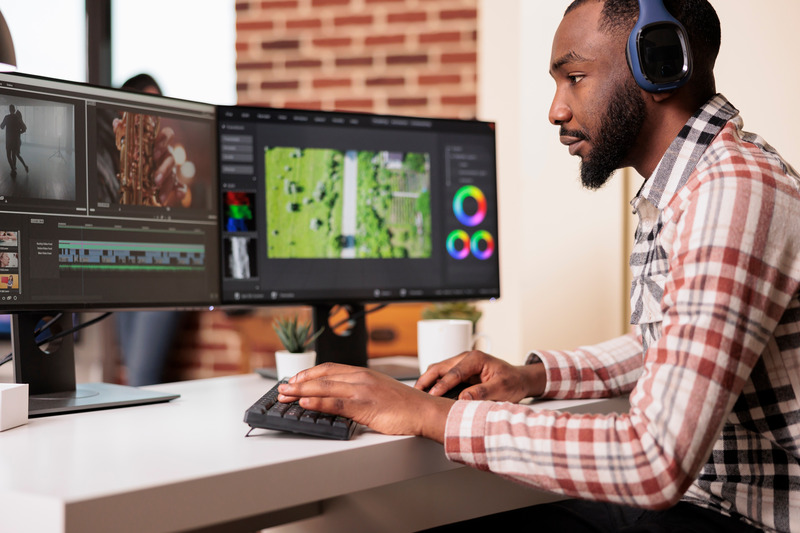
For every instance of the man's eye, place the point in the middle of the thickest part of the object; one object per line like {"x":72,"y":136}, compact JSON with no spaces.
{"x":575,"y":78}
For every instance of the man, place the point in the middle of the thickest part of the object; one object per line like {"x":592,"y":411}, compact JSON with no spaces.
{"x":22,"y":129}
{"x":14,"y":127}
{"x":712,"y":438}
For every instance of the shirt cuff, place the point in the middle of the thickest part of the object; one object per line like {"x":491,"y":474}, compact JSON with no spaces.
{"x":533,"y":358}
{"x":464,"y":433}
{"x":549,"y":361}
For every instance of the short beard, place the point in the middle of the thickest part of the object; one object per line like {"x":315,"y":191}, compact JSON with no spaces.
{"x":619,"y":128}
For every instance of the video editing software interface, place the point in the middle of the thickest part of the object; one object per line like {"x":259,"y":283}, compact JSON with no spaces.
{"x":345,"y":207}
{"x":107,"y":198}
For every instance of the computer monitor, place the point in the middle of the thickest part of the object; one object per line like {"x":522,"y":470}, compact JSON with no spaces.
{"x":326,"y":208}
{"x":108,"y":200}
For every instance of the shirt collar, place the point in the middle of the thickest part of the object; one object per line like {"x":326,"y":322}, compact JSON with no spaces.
{"x":682,"y":156}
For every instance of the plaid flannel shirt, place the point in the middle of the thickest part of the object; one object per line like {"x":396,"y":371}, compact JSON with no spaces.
{"x":714,"y":374}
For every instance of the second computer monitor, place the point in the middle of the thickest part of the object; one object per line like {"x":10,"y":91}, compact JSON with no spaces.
{"x":326,"y":207}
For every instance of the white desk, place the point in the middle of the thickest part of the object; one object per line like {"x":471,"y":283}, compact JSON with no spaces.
{"x":186,"y":465}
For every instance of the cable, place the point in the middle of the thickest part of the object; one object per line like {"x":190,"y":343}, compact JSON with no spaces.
{"x":74,"y":329}
{"x":51,"y":338}
{"x":356,"y":316}
{"x":44,"y":327}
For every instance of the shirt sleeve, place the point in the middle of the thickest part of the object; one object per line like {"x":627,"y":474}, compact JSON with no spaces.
{"x":724,"y":294}
{"x":604,"y":370}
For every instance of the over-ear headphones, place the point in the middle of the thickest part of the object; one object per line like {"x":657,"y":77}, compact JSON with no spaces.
{"x":658,"y":49}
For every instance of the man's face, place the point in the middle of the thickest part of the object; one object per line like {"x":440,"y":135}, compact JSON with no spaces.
{"x":597,"y":106}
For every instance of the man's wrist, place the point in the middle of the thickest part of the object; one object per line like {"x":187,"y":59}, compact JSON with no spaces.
{"x":535,"y":375}
{"x":434,"y":421}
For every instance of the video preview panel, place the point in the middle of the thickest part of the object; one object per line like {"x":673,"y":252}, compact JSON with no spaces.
{"x":111,"y":198}
{"x":40,"y":134}
{"x":153,"y":161}
{"x":321,"y":202}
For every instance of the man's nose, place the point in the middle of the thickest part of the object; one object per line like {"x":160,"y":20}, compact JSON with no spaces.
{"x":560,"y":112}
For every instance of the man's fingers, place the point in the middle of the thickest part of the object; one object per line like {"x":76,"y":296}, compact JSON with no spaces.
{"x":435,"y":372}
{"x":163,"y":171}
{"x":326,"y":380}
{"x":334,"y":406}
{"x":318,"y":371}
{"x":163,"y":140}
{"x":461,"y":372}
{"x":428,"y":378}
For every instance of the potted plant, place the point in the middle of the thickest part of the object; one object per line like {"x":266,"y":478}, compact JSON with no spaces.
{"x":297,"y":338}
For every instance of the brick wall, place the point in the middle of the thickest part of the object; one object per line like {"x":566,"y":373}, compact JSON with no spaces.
{"x":404,"y":57}
{"x":213,"y":343}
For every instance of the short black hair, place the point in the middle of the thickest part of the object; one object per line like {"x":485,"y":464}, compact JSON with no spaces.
{"x":697,"y":16}
{"x":140,"y":82}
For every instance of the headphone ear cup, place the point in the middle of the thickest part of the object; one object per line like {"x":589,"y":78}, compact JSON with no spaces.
{"x":658,"y":50}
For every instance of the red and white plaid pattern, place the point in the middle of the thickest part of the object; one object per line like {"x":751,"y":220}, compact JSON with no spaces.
{"x":714,"y":375}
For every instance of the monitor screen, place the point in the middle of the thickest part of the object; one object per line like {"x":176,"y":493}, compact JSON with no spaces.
{"x":342,"y":207}
{"x":108,"y":198}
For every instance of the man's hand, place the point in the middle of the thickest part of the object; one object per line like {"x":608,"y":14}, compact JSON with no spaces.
{"x":370,"y":398}
{"x":170,"y":190}
{"x":494,"y":378}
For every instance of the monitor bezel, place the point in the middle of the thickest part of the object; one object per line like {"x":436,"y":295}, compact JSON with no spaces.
{"x":475,"y":126}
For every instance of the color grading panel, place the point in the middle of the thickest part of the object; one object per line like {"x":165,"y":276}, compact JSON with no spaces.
{"x":471,"y":241}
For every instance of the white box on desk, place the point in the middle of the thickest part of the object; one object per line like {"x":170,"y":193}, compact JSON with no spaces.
{"x":13,"y":405}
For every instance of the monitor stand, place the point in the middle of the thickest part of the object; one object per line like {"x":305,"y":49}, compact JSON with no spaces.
{"x":49,"y":371}
{"x":349,"y":346}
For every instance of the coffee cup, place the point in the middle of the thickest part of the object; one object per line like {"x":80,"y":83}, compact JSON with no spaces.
{"x":441,"y":338}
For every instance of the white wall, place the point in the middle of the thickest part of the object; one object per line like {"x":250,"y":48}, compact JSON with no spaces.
{"x":757,"y":68}
{"x":561,"y":246}
{"x":49,"y":36}
{"x":562,"y":257}
{"x":189,"y":47}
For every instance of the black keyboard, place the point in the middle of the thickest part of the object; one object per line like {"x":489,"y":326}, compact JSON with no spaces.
{"x":269,"y":413}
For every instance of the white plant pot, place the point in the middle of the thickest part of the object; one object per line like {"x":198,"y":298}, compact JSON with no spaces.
{"x":287,"y":364}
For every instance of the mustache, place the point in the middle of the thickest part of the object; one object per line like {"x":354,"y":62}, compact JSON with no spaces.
{"x":564,"y":132}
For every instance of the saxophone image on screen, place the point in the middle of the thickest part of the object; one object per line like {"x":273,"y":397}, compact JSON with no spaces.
{"x":137,"y":138}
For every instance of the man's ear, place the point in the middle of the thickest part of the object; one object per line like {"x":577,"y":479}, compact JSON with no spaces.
{"x":661,"y":96}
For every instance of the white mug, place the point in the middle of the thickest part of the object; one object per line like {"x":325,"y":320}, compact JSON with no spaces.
{"x":440,"y":339}
{"x":288,"y":364}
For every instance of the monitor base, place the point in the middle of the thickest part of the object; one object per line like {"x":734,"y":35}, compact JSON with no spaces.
{"x":93,"y":396}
